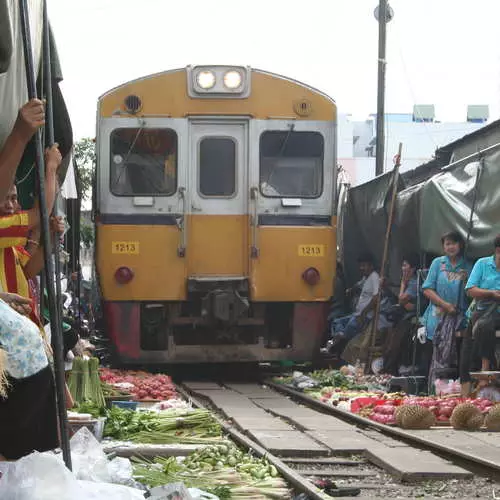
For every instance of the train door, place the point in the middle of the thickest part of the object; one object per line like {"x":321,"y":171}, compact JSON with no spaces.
{"x":217,"y":199}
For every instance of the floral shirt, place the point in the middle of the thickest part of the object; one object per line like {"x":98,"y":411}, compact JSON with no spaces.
{"x":20,"y":339}
{"x":448,"y":282}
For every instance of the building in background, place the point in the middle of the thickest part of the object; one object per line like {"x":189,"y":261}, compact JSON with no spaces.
{"x":420,"y":133}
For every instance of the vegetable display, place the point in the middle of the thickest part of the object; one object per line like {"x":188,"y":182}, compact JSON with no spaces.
{"x":194,"y":426}
{"x":84,"y":383}
{"x":142,"y":386}
{"x":222,"y":470}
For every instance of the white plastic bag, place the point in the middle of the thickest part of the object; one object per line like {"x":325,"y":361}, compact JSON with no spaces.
{"x":88,"y":459}
{"x":170,"y":491}
{"x":198,"y":494}
{"x":43,"y":476}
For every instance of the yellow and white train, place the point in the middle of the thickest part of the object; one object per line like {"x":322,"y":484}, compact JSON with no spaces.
{"x":214,"y":207}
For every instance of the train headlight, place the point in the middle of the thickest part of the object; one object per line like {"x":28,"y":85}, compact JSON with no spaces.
{"x":218,"y":82}
{"x":232,"y":80}
{"x":205,"y":79}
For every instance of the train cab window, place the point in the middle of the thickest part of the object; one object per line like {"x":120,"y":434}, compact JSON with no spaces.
{"x":291,"y":164}
{"x":143,"y":162}
{"x":217,"y":167}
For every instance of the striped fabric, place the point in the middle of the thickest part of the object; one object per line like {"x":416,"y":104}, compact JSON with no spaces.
{"x":13,"y":256}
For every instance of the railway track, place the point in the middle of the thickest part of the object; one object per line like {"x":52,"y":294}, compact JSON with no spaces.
{"x":313,"y":444}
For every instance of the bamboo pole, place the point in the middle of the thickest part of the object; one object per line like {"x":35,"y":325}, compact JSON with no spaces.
{"x":392,"y":206}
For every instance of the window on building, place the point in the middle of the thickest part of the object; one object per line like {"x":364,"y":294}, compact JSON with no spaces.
{"x":217,"y":166}
{"x":291,"y":164}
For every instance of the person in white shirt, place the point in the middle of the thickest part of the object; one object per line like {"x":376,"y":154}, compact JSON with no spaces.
{"x":348,"y":327}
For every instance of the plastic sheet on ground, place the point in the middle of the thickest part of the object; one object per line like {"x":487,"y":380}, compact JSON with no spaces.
{"x":179,"y":492}
{"x":43,"y":476}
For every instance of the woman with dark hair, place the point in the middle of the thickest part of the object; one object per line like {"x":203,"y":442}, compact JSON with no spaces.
{"x":397,"y":347}
{"x":484,"y":287}
{"x":444,"y":288}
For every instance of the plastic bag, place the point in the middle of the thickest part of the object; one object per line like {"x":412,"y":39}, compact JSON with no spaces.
{"x":172,"y":491}
{"x":88,"y":459}
{"x":198,"y":494}
{"x":43,"y":476}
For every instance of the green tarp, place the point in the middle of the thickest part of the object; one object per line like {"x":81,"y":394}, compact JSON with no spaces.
{"x":423,"y":213}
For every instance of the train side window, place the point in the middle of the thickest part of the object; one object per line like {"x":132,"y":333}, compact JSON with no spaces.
{"x":291,"y":164}
{"x":217,"y":166}
{"x":143,"y":162}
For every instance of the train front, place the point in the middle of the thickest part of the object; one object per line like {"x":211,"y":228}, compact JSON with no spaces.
{"x":215,"y":220}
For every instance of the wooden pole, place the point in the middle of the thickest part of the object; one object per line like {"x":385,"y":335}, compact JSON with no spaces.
{"x":395,"y":182}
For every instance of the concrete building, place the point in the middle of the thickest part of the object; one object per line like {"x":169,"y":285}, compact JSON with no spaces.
{"x":420,"y":133}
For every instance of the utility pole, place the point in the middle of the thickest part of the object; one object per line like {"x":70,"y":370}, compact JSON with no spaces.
{"x":383,"y":14}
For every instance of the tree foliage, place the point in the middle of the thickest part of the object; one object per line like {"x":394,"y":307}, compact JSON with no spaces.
{"x":85,"y":158}
{"x":86,"y":233}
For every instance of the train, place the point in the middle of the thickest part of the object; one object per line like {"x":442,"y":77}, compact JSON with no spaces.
{"x":214,"y":206}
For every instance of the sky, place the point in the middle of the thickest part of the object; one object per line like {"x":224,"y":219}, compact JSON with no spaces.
{"x":441,"y":52}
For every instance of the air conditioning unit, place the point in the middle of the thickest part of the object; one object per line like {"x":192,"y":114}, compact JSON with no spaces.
{"x":423,"y":113}
{"x":478,"y":113}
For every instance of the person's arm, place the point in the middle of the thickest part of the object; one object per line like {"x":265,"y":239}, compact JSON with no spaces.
{"x":483,"y":294}
{"x":34,"y":265}
{"x":52,"y":161}
{"x":30,"y":117}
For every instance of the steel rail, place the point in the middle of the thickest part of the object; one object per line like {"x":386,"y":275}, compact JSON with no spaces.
{"x":296,"y":480}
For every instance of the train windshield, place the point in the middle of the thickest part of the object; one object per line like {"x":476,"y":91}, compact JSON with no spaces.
{"x":143,"y":162}
{"x":291,"y":164}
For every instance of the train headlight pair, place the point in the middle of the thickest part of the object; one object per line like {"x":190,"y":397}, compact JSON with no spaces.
{"x":218,"y":81}
{"x":232,"y":80}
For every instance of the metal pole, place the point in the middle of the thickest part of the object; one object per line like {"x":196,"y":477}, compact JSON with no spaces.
{"x":382,"y":28}
{"x":50,"y":141}
{"x":54,"y":320}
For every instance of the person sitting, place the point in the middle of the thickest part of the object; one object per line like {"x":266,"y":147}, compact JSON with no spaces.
{"x":347,"y":327}
{"x":484,"y":287}
{"x":397,"y":347}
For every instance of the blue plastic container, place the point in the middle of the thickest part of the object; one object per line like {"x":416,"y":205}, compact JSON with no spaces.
{"x":126,"y":405}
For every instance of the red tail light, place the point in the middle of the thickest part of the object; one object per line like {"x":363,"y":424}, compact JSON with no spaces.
{"x":311,"y":276}
{"x":124,"y":275}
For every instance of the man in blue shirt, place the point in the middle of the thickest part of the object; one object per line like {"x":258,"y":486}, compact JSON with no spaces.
{"x":484,"y":287}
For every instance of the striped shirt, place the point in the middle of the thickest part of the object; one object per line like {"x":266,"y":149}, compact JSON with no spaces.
{"x":13,"y":256}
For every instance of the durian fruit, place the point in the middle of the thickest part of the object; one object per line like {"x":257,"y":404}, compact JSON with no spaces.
{"x":398,"y":414}
{"x":466,"y":417}
{"x":414,"y":417}
{"x":492,"y":420}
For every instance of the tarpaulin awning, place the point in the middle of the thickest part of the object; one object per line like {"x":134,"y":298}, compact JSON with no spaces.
{"x":443,"y":202}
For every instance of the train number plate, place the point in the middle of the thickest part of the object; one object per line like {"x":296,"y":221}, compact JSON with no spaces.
{"x":125,"y":247}
{"x":311,"y":250}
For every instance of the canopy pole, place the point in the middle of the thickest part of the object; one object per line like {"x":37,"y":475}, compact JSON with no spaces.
{"x":374,"y":325}
{"x":57,"y":341}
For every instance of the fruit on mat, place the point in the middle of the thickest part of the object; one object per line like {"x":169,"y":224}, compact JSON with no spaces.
{"x":492,"y":420}
{"x":414,"y":417}
{"x":466,"y":416}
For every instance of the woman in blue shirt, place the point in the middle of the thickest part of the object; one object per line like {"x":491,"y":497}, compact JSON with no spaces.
{"x":444,"y":286}
{"x":484,"y":287}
